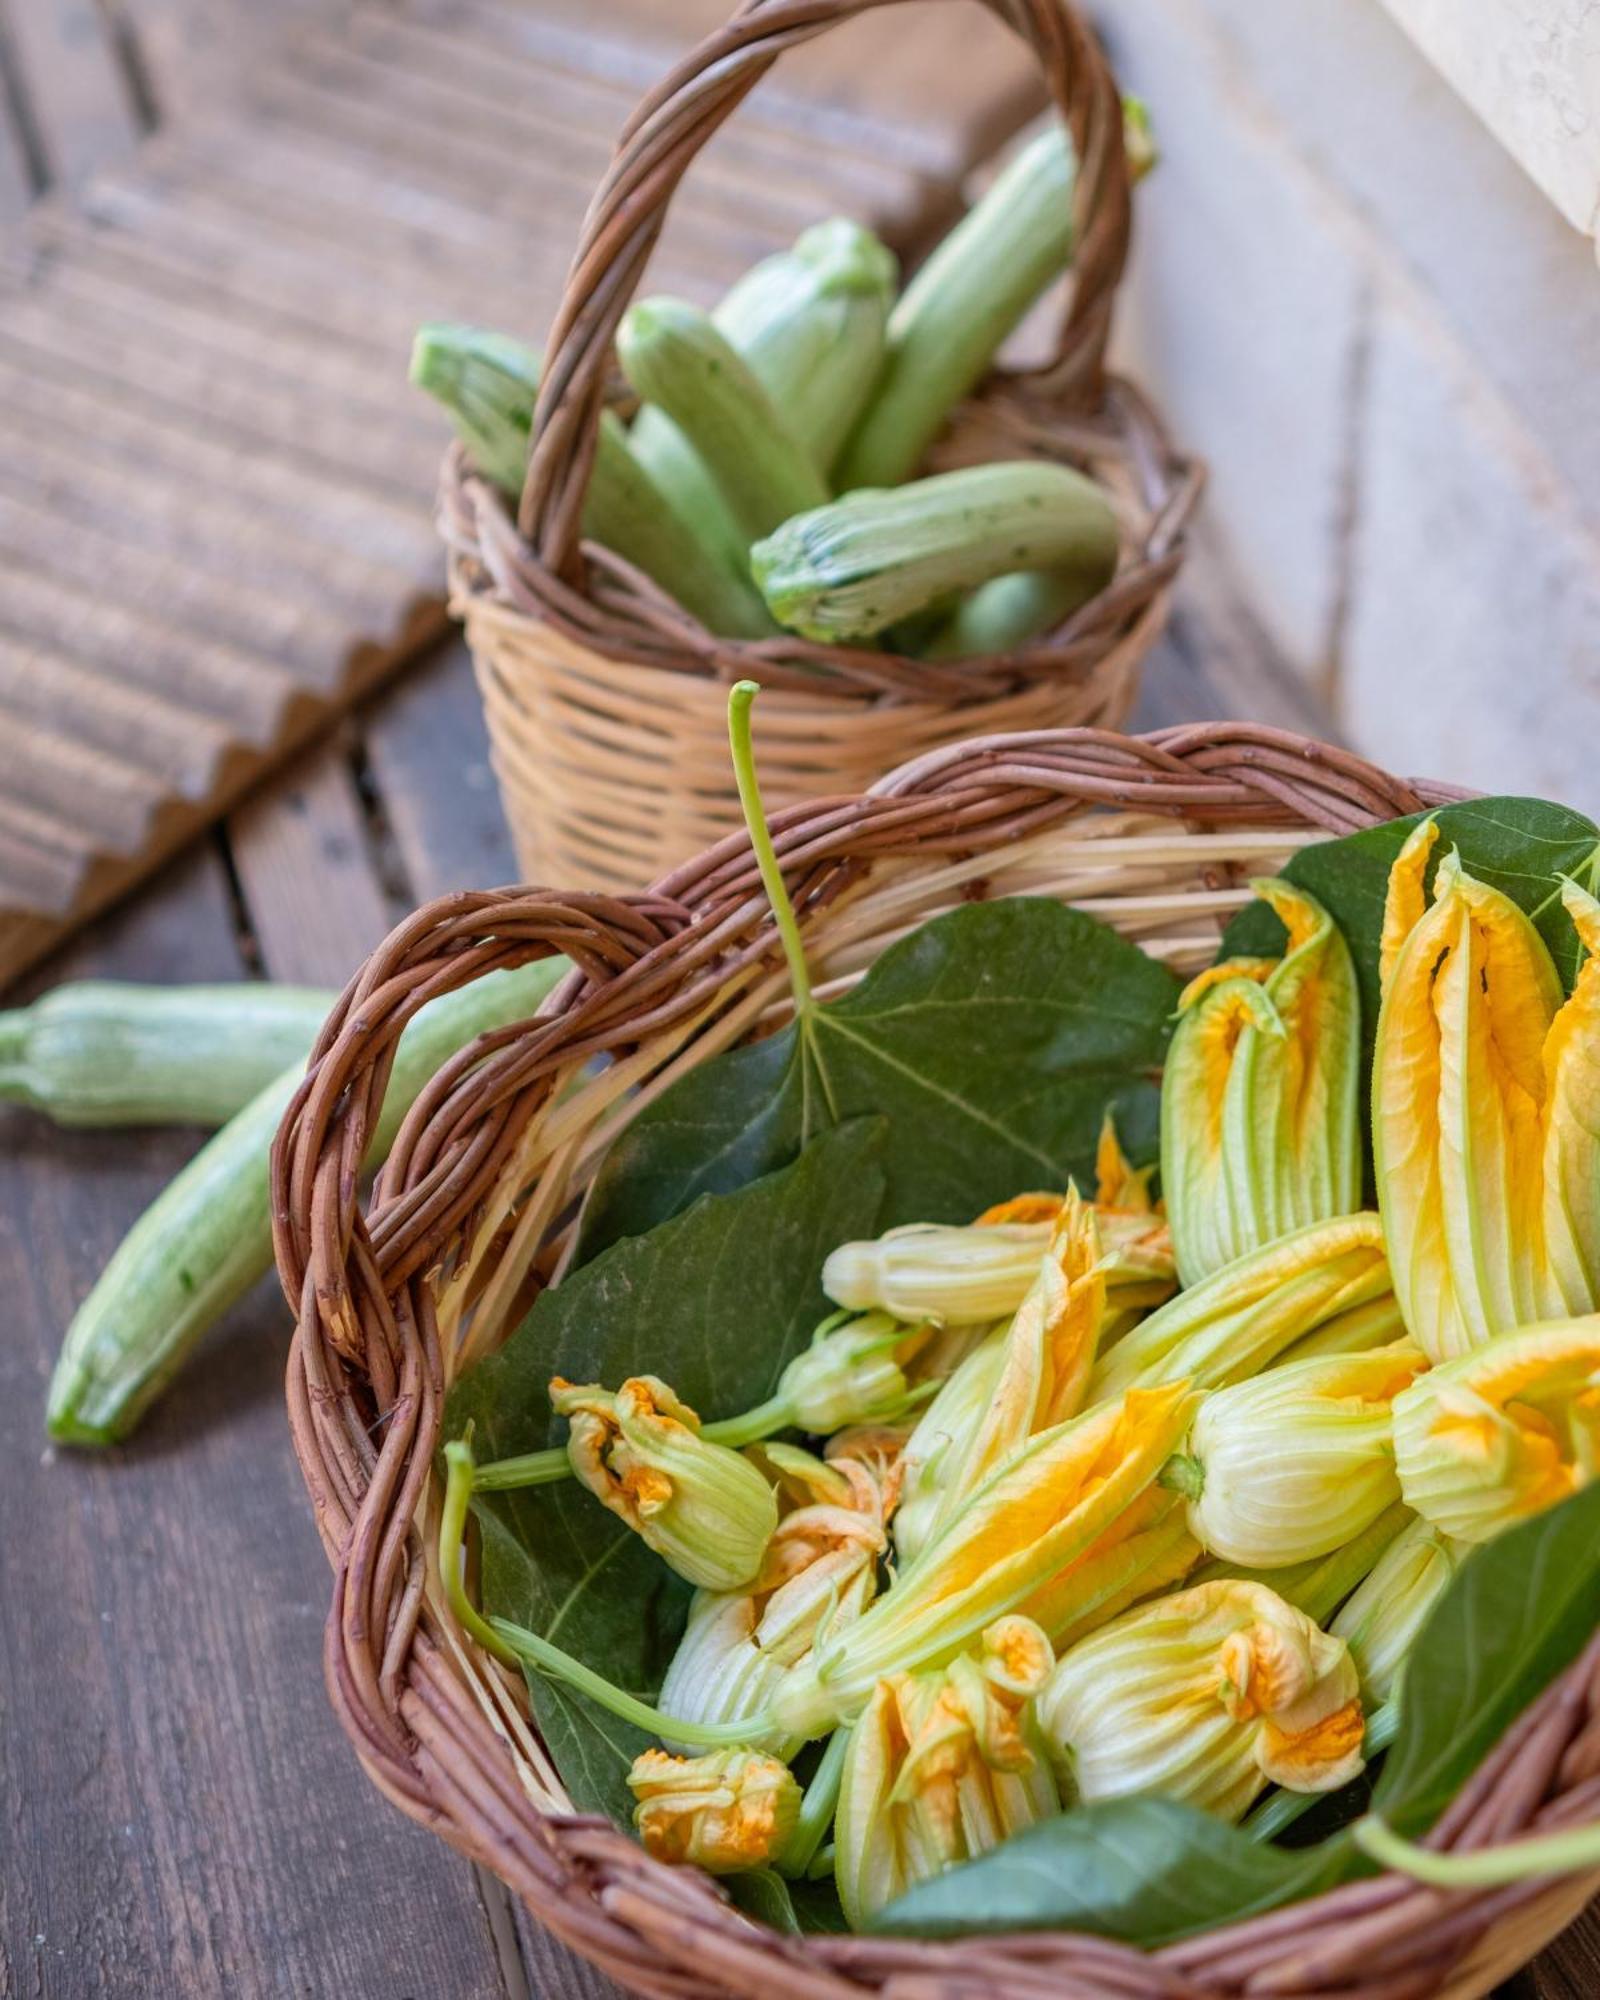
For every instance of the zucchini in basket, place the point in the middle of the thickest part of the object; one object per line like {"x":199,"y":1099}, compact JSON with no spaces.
{"x":675,"y":358}
{"x":809,"y":322}
{"x":862,"y":563}
{"x":956,"y":313}
{"x":489,"y":383}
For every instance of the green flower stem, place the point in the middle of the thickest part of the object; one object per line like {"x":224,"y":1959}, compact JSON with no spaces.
{"x":741,"y":697}
{"x":1564,"y":1853}
{"x":1183,"y":1473}
{"x":546,"y":1468}
{"x":1276,"y":1814}
{"x":452,"y":1527}
{"x":528,"y":1648}
{"x":816,"y":1810}
{"x":822,"y":1867}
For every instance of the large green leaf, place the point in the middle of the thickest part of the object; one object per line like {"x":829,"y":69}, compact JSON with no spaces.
{"x":1522,"y":846}
{"x":1146,"y":1870}
{"x":993,"y":1039}
{"x":716,"y":1302}
{"x":1519,"y":1610}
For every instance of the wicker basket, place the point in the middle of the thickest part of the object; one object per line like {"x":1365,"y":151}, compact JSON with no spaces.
{"x":605,"y":699}
{"x":1157,"y":834}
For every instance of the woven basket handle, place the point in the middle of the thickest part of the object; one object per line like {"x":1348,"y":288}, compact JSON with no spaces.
{"x":667,"y":131}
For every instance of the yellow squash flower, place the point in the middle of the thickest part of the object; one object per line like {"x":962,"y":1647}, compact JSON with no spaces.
{"x":1486,"y":1109}
{"x":728,"y":1811}
{"x":852,"y":1373}
{"x":1296,"y":1462}
{"x":819,"y":1573}
{"x":1502,"y":1432}
{"x":1064,"y":1493}
{"x":1247,"y":1315}
{"x":938,"y":1446}
{"x":1380,"y":1621}
{"x":1260,"y":1117}
{"x":942,"y":1766}
{"x":705,"y":1510}
{"x":971,"y":1274}
{"x":1205,"y":1697}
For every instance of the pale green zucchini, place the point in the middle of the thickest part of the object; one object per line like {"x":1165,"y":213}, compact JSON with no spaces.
{"x":862,"y":563}
{"x":957,"y":311}
{"x":489,"y":383}
{"x":1008,"y":612}
{"x":810,"y":323}
{"x":207,"y":1237}
{"x":108,"y":1052}
{"x":675,"y":358}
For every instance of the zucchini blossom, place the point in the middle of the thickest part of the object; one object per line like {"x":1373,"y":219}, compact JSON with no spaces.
{"x":1245,"y":1316}
{"x":1205,"y":1697}
{"x":1064,"y":1496}
{"x":1502,"y":1432}
{"x":969,"y":1274}
{"x":852,"y":1373}
{"x":707,"y":1511}
{"x":942,"y":1766}
{"x":1260,"y":1118}
{"x":1381,"y":1620}
{"x":728,"y":1811}
{"x":939,"y":1445}
{"x":1485,"y":1108}
{"x":819,"y":1573}
{"x":1298,"y":1462}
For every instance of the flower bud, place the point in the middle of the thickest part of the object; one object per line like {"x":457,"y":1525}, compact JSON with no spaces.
{"x":1204,"y":1697}
{"x":727,"y":1812}
{"x":705,"y":1510}
{"x":1063,"y":1495}
{"x":1502,"y":1432}
{"x":1260,"y":1122}
{"x":1241,"y":1320}
{"x":818,"y":1575}
{"x":1486,"y":1109}
{"x":1297,"y":1462}
{"x":850,"y":1374}
{"x":1380,"y":1621}
{"x":942,"y":1766}
{"x":939,"y":1444}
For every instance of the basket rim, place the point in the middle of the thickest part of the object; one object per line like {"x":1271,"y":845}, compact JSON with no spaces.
{"x":365,"y":1383}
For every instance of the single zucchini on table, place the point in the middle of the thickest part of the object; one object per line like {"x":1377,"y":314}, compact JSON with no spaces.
{"x":109,"y":1052}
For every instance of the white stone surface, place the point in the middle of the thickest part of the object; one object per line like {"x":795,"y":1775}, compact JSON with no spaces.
{"x":1472,"y":640}
{"x":1531,"y":70}
{"x":1242,"y":312}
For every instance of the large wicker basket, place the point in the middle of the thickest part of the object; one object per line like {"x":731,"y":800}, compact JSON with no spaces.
{"x":605,"y":699}
{"x":1157,"y":834}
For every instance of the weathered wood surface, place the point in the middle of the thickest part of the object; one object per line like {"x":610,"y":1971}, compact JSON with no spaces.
{"x":215,"y":487}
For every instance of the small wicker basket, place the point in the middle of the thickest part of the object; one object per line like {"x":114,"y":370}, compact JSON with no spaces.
{"x":1156,"y":834}
{"x":605,"y":700}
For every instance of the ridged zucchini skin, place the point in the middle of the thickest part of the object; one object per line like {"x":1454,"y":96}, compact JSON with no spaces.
{"x":862,"y":563}
{"x":110,"y":1052}
{"x":207,"y":1237}
{"x":809,"y":322}
{"x":969,"y":295}
{"x":674,"y":357}
{"x":489,"y":384}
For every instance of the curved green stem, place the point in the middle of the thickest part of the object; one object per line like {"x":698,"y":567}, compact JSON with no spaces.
{"x":1276,"y":1814}
{"x":545,"y":1468}
{"x":1565,"y":1853}
{"x":741,"y":697}
{"x":452,"y":1528}
{"x":816,"y":1809}
{"x":531,"y":1650}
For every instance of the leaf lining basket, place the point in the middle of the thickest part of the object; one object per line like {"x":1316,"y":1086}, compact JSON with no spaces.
{"x":1157,"y":835}
{"x":605,"y":699}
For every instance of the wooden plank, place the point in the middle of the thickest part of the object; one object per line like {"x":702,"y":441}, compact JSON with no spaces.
{"x":183,"y":1816}
{"x":86,"y":114}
